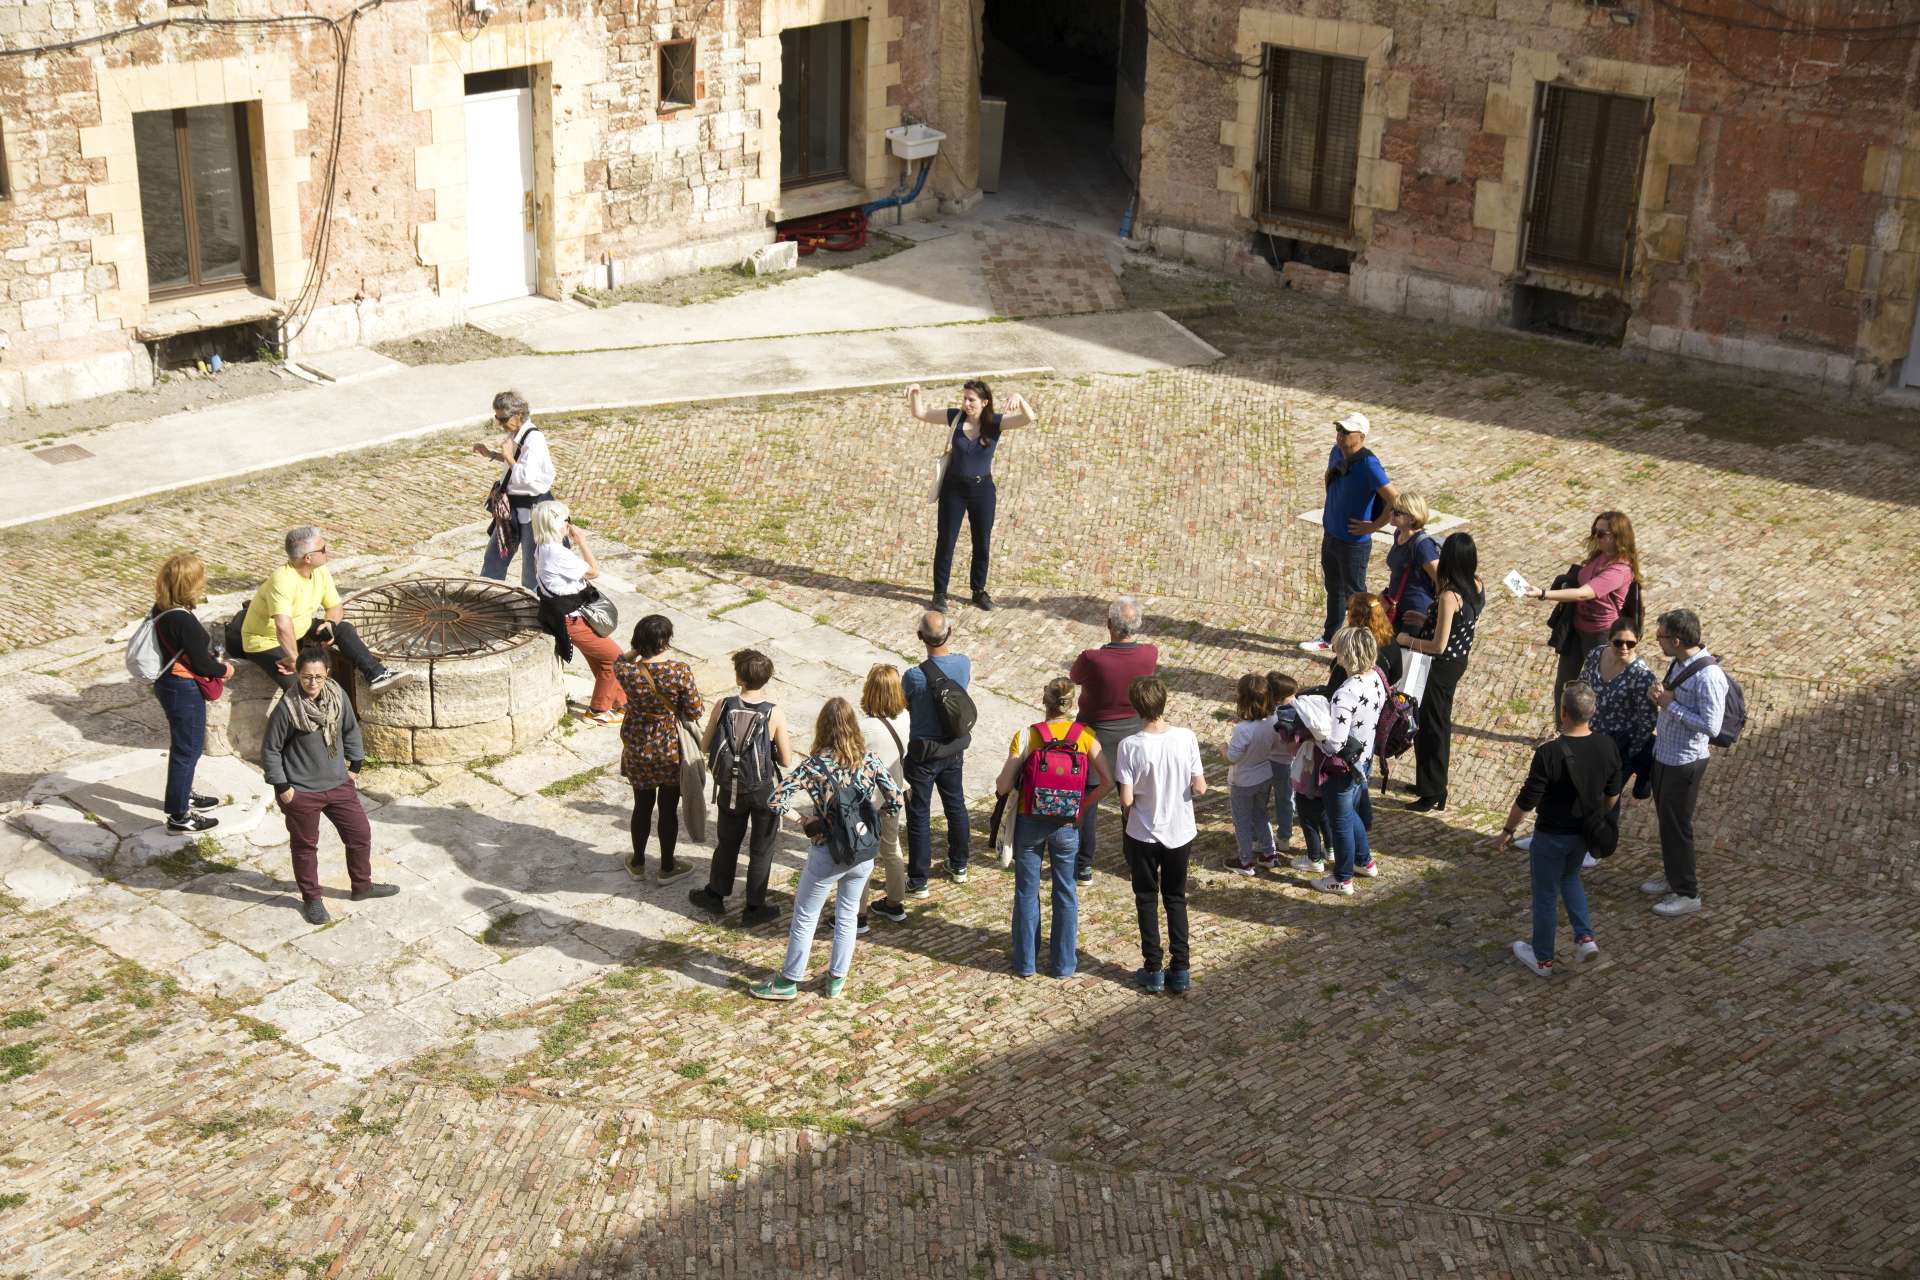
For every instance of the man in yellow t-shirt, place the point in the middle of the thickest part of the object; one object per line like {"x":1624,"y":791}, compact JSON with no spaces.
{"x":297,"y":601}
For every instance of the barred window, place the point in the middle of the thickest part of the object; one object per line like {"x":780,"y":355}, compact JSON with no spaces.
{"x":676,"y":74}
{"x":1587,"y":157}
{"x":1312,"y":144}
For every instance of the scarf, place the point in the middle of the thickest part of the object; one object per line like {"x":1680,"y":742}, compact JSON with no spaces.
{"x":320,"y":715}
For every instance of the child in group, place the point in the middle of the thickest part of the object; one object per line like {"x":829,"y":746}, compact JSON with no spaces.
{"x":1281,"y":688}
{"x":1250,"y":750}
{"x":1298,"y":723}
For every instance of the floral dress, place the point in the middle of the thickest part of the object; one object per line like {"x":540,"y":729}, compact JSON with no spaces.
{"x":649,"y":742}
{"x":1622,"y":709}
{"x":819,"y":776}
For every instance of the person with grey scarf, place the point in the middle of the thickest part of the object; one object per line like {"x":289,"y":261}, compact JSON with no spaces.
{"x":311,"y":750}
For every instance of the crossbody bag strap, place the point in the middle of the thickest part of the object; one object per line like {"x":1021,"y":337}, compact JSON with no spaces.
{"x":1689,"y":671}
{"x":894,"y":733}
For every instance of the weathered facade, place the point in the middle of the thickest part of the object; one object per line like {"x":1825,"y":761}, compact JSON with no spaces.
{"x":348,"y":175}
{"x":1723,"y":180}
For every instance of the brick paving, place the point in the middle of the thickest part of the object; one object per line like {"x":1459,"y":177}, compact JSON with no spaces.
{"x":1364,"y":1088}
{"x":1047,"y":271}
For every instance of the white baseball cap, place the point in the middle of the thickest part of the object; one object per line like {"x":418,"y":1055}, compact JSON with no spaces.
{"x":1355,"y":422}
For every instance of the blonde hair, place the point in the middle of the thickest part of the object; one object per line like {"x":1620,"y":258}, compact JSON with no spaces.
{"x":836,"y":734}
{"x":1354,"y":649}
{"x":1364,"y":609}
{"x":883,"y":696}
{"x":550,"y":522}
{"x":1058,"y":697}
{"x":181,"y":582}
{"x":1416,"y":508}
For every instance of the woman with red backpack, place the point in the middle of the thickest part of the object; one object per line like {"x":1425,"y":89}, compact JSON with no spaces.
{"x":1060,"y":773}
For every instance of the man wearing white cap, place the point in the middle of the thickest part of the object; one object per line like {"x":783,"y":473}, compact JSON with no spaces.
{"x":1359,"y":502}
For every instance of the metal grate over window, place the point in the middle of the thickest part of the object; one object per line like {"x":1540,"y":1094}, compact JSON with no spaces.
{"x":676,"y":74}
{"x":1312,"y":144}
{"x":1586,"y":180}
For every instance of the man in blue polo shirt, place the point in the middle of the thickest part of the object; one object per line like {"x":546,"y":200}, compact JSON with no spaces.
{"x":1359,"y":503}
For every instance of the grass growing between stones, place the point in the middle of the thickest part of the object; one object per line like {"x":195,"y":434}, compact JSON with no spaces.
{"x":568,"y":785}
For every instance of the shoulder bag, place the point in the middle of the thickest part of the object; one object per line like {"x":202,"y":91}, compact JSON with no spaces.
{"x":693,"y":767}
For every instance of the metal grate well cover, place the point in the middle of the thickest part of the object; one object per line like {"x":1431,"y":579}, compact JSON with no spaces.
{"x":62,"y":453}
{"x":440,"y":618}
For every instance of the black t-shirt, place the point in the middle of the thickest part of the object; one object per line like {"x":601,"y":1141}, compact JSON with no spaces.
{"x":1554,"y":782}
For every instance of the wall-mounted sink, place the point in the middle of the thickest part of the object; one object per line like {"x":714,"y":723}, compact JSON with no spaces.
{"x":914,"y":141}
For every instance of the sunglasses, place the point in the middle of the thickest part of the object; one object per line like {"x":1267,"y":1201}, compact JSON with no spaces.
{"x":1599,"y":533}
{"x":503,"y":418}
{"x":1625,"y":644}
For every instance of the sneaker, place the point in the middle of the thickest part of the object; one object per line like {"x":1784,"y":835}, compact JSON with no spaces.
{"x":1588,"y":862}
{"x":1315,"y":646}
{"x":861,"y":928}
{"x":774,"y":989}
{"x":983,"y":601}
{"x":1151,"y":981}
{"x":834,"y":986}
{"x":1240,"y":868}
{"x":387,"y":678}
{"x":921,"y":891}
{"x":636,"y":867}
{"x":1178,"y":980}
{"x":1317,"y":866}
{"x":752,"y":916}
{"x":1087,"y":878}
{"x":956,"y":874}
{"x":375,"y":891}
{"x":1270,"y":859}
{"x":1676,"y":905}
{"x":1656,"y":887}
{"x":199,"y":802}
{"x":191,"y":824}
{"x":1523,"y":952}
{"x":888,"y":909}
{"x":1587,"y":951}
{"x":708,"y":901}
{"x":671,"y":871}
{"x":314,"y":911}
{"x":1371,"y":871}
{"x":1327,"y":884}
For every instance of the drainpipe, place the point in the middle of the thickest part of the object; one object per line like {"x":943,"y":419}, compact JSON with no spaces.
{"x":926,"y":167}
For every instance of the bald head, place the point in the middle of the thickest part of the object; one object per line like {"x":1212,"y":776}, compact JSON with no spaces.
{"x":934,"y":630}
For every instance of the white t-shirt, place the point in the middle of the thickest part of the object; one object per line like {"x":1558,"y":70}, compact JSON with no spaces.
{"x":532,"y":471}
{"x":559,"y":570}
{"x":1160,"y":767}
{"x":880,"y":743}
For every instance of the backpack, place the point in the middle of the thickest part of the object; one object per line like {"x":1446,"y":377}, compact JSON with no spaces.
{"x":145,"y":660}
{"x":852,"y":827}
{"x":1631,"y":607}
{"x":1733,"y":716}
{"x":1053,"y":781}
{"x":742,"y":759}
{"x":1599,"y":821}
{"x":955,"y":709}
{"x":1399,"y":721}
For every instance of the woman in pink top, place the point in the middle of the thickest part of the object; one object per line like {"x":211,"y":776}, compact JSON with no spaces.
{"x":1599,"y":593}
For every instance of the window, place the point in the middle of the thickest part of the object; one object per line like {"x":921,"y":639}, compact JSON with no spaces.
{"x":498,"y":81}
{"x":1586,"y":180}
{"x":814,"y":64}
{"x":676,"y":75}
{"x":196,"y":198}
{"x":1313,"y":136}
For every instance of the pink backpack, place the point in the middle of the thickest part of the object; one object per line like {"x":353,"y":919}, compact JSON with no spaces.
{"x":1053,"y":781}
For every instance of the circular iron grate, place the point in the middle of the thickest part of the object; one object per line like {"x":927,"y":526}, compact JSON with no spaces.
{"x":431,"y":618}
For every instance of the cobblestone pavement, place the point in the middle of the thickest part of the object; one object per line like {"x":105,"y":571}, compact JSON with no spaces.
{"x":1367,"y":1087}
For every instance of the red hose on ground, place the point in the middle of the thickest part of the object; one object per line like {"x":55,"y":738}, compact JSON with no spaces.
{"x":838,"y":232}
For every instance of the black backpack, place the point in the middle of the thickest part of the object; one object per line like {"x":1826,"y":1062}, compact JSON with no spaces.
{"x":742,"y":759}
{"x":851,"y":826}
{"x":1733,"y":716}
{"x":955,"y":709}
{"x":1599,"y":821}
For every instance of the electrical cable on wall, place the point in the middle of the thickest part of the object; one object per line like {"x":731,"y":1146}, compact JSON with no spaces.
{"x":1681,"y":13}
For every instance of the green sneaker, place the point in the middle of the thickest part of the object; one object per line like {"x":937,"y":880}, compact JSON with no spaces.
{"x":774,"y":989}
{"x":834,"y":987}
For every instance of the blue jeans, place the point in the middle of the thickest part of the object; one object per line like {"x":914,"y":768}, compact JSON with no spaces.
{"x":1556,"y":874}
{"x":495,"y":565}
{"x":822,"y":875}
{"x":1350,"y":848}
{"x":923,"y":778}
{"x":1061,"y":838}
{"x":1250,"y":827}
{"x":186,"y":709}
{"x":1343,"y":567}
{"x":1282,"y":804}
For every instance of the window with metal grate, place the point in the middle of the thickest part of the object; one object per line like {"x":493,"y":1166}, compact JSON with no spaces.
{"x":1587,"y":155}
{"x":1312,"y":136}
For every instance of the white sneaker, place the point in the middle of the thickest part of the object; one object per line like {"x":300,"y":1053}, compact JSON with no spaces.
{"x":1371,"y":871}
{"x":1327,"y":884}
{"x":1315,"y":646}
{"x":1675,"y":905}
{"x":1318,"y":866}
{"x":1588,"y":862}
{"x":1657,"y":887}
{"x":1523,"y":952}
{"x":1587,"y":952}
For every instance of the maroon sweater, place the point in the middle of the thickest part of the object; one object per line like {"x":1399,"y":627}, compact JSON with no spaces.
{"x":1103,"y":675}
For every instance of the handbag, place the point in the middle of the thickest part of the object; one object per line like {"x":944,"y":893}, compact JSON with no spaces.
{"x":939,"y":475}
{"x":600,"y":615}
{"x":693,"y":770}
{"x":211,"y":687}
{"x":500,"y":508}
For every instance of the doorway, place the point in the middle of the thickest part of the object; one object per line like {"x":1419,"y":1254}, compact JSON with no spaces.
{"x":503,"y":255}
{"x":816,"y":70}
{"x":1910,"y":372}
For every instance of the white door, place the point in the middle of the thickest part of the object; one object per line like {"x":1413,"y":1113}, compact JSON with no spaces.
{"x":502,"y":250}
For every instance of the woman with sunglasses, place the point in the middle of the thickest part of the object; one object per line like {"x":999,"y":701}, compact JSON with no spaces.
{"x":1622,"y":710}
{"x":1598,"y":593}
{"x":527,"y":483}
{"x":1413,"y":566}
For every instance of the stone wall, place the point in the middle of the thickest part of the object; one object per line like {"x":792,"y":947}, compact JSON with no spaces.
{"x":1778,"y":222}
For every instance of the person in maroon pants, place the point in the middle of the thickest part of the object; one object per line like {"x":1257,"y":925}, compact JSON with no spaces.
{"x":311,"y":752}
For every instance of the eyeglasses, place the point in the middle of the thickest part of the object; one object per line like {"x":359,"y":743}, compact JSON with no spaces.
{"x":321,"y":678}
{"x":1625,"y":644}
{"x":1401,"y":511}
{"x":1601,"y":532}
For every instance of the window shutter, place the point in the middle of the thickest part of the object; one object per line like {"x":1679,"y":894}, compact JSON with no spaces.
{"x":1312,"y":122}
{"x":1586,"y":180}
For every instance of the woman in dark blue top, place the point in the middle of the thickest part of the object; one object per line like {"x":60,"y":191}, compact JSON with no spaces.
{"x":966,"y":482}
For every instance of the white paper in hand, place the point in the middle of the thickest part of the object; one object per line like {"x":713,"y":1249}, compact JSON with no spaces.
{"x":1517,"y":584}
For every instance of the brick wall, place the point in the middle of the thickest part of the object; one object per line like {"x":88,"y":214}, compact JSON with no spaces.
{"x":1777,"y":226}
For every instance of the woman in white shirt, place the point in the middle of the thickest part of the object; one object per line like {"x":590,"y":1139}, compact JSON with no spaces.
{"x":561,"y":574}
{"x":883,"y":723}
{"x":529,"y":482}
{"x":1355,"y":710}
{"x":1160,"y":777}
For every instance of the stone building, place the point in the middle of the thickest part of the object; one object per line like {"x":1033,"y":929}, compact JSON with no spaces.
{"x":1721,"y":180}
{"x":202,"y":171}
